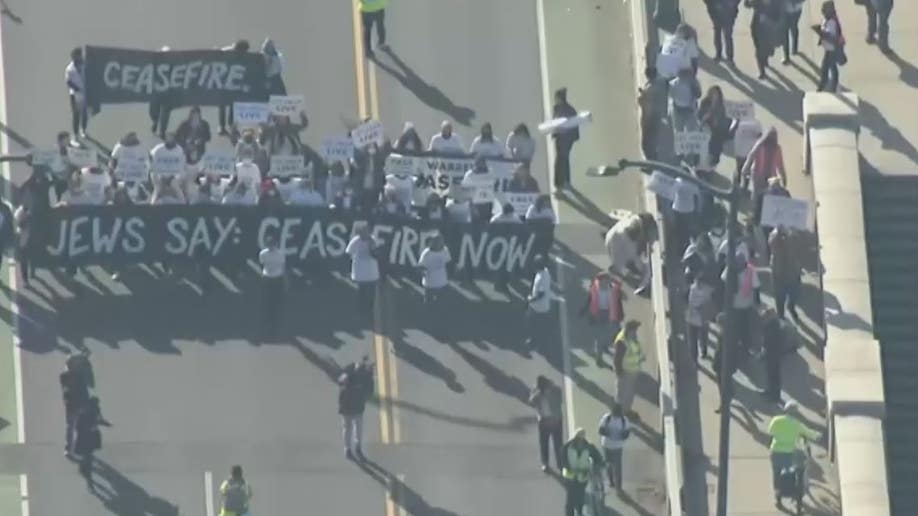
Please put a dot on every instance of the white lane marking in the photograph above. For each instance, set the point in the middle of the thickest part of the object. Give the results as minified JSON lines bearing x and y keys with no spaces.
{"x":208,"y":493}
{"x":24,"y":495}
{"x":550,"y":157}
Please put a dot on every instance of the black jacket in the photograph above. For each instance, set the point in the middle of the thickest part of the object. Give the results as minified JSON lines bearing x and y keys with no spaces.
{"x":356,"y":389}
{"x":565,"y":110}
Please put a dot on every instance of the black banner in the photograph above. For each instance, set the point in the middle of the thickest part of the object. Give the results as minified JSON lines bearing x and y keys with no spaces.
{"x":118,"y":235}
{"x":184,"y":77}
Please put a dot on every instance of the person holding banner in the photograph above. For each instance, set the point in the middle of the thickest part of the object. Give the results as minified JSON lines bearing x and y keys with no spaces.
{"x":432,"y":262}
{"x":541,"y":210}
{"x":480,"y":183}
{"x":364,"y":267}
{"x":485,"y":145}
{"x":520,"y":145}
{"x":73,"y":75}
{"x":564,"y":140}
{"x":409,"y":139}
{"x":446,"y":142}
{"x":273,"y":270}
{"x":373,"y":12}
{"x":225,"y":111}
{"x":306,"y":195}
{"x":239,"y":194}
{"x":274,"y":68}
{"x":161,"y":109}
{"x":193,"y":134}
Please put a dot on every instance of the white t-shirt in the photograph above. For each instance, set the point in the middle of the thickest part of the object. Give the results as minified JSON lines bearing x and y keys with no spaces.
{"x":451,"y":145}
{"x":363,"y":266}
{"x":235,"y":198}
{"x":273,"y":262}
{"x":459,"y":211}
{"x":94,"y":184}
{"x":434,"y":264}
{"x":541,"y":284}
{"x":829,"y":26}
{"x":165,"y":161}
{"x":684,"y":195}
{"x":481,"y":186}
{"x":676,"y":54}
{"x":403,"y":186}
{"x":74,"y":75}
{"x":615,"y":428}
{"x":304,"y":197}
{"x":286,"y":189}
{"x":483,"y":149}
{"x":248,"y":172}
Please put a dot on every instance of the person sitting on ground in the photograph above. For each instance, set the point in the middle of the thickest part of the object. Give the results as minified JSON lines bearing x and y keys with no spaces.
{"x":434,"y":210}
{"x":446,"y":142}
{"x":409,"y":139}
{"x":459,"y":210}
{"x":239,"y":194}
{"x":507,"y":215}
{"x":193,"y":134}
{"x":270,"y":196}
{"x":98,"y":185}
{"x":336,"y":182}
{"x":485,"y":145}
{"x":165,"y":192}
{"x":306,"y":195}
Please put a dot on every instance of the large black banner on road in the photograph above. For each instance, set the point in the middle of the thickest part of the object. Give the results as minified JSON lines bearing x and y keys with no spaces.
{"x":117,"y":235}
{"x":184,"y":77}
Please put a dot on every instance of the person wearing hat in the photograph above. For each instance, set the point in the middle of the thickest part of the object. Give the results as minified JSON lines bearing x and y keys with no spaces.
{"x":564,"y":139}
{"x":786,"y":431}
{"x":627,"y":360}
{"x":579,"y":458}
{"x":605,"y":311}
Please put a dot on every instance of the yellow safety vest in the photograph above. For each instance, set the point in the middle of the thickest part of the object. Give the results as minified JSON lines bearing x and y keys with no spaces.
{"x":579,"y":463}
{"x":631,"y":362}
{"x":372,"y":6}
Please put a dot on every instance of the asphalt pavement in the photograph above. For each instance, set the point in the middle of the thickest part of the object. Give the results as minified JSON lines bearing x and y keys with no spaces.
{"x":184,"y":377}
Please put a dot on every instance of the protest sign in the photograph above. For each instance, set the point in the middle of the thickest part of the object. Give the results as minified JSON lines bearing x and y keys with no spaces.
{"x":80,"y":157}
{"x":337,"y":149}
{"x":167,"y":164}
{"x":521,"y":201}
{"x":689,"y":143}
{"x":183,"y":77}
{"x":221,"y":162}
{"x":132,"y":164}
{"x":286,"y":105}
{"x":250,"y":114}
{"x":286,"y":166}
{"x":747,"y":133}
{"x":661,"y":184}
{"x":366,"y":133}
{"x":785,"y":211}
{"x":123,"y":235}
{"x":739,"y":109}
{"x":44,"y":157}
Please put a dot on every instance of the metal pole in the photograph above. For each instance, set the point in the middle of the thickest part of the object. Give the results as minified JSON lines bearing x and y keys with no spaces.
{"x":729,"y":348}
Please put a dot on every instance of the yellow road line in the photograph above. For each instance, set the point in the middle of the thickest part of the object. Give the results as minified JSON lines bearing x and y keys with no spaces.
{"x":374,"y":93}
{"x":382,"y":375}
{"x":359,"y":62}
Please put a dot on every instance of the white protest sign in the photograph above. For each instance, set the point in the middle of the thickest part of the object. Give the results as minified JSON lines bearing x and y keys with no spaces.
{"x":221,"y":162}
{"x":560,"y":124}
{"x":520,"y":201}
{"x":285,"y":166}
{"x":286,"y":105}
{"x":337,"y":149}
{"x":132,"y":164}
{"x":672,"y":57}
{"x":740,"y":110}
{"x":250,"y":114}
{"x":80,"y":157}
{"x":399,"y":165}
{"x":785,"y":211}
{"x":661,"y":184}
{"x":689,"y":143}
{"x":747,"y":133}
{"x":44,"y":158}
{"x":366,"y":133}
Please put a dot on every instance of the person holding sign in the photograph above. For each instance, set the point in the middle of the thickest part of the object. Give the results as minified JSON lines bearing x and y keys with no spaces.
{"x":73,"y":75}
{"x":193,"y":134}
{"x":764,"y":162}
{"x":480,"y":183}
{"x":446,"y":142}
{"x":520,"y":145}
{"x":247,"y":172}
{"x":564,"y":139}
{"x":485,"y":145}
{"x":409,"y":139}
{"x":97,"y":184}
{"x":167,"y":159}
{"x":373,"y":12}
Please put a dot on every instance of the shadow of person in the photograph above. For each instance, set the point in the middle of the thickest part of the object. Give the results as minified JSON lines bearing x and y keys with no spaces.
{"x":494,"y":377}
{"x":908,"y":73}
{"x":403,"y":495}
{"x":890,"y":136}
{"x":427,"y":93}
{"x":122,"y":496}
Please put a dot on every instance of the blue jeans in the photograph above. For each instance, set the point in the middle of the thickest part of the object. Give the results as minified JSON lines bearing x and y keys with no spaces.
{"x":828,"y":72}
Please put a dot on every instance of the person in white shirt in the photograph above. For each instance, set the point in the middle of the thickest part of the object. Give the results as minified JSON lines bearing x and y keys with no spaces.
{"x":273,"y":261}
{"x":75,"y":195}
{"x":364,"y":268}
{"x":678,"y":51}
{"x":432,"y":262}
{"x":97,"y":185}
{"x":286,"y":186}
{"x":459,"y":210}
{"x":538,"y":313}
{"x":480,"y":183}
{"x":248,"y":172}
{"x":686,"y":199}
{"x":485,"y":145}
{"x":240,"y":195}
{"x":167,"y":159}
{"x":614,"y":430}
{"x":832,"y":42}
{"x":73,"y":75}
{"x":446,"y":142}
{"x":402,"y":186}
{"x":306,"y":195}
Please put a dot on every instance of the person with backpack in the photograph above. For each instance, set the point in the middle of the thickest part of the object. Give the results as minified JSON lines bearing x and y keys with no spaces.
{"x":236,"y":494}
{"x":356,"y":383}
{"x":832,"y":40}
{"x":614,"y":430}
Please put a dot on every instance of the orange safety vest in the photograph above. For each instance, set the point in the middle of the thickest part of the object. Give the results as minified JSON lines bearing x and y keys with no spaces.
{"x":615,"y":300}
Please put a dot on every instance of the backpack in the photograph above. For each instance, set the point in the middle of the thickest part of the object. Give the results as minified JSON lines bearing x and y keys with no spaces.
{"x":236,"y":498}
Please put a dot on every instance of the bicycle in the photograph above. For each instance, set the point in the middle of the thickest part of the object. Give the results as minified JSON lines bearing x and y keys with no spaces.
{"x":795,"y":480}
{"x":596,"y":490}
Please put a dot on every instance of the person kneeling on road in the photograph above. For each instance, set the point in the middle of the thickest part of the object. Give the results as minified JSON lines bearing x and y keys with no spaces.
{"x":579,"y":458}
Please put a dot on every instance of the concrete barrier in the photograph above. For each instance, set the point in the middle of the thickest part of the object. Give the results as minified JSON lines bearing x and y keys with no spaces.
{"x":854,"y":374}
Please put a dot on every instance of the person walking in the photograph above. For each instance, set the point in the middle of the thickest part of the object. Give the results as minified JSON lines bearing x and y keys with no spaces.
{"x":73,"y":75}
{"x":723,"y":17}
{"x":614,"y":430}
{"x":652,"y":99}
{"x":547,"y":400}
{"x":832,"y":41}
{"x":696,"y":316}
{"x":712,"y":115}
{"x":235,"y":494}
{"x":580,"y":457}
{"x":538,"y":311}
{"x":564,"y":140}
{"x":773,"y":341}
{"x":88,"y":437}
{"x":273,"y":263}
{"x":355,"y":388}
{"x":765,"y":161}
{"x":364,"y":268}
{"x":75,"y":389}
{"x":745,"y":301}
{"x":767,"y":24}
{"x":786,"y":270}
{"x":793,"y":9}
{"x":878,"y":12}
{"x":604,"y":308}
{"x":628,"y":359}
{"x":373,"y":12}
{"x":786,"y":431}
